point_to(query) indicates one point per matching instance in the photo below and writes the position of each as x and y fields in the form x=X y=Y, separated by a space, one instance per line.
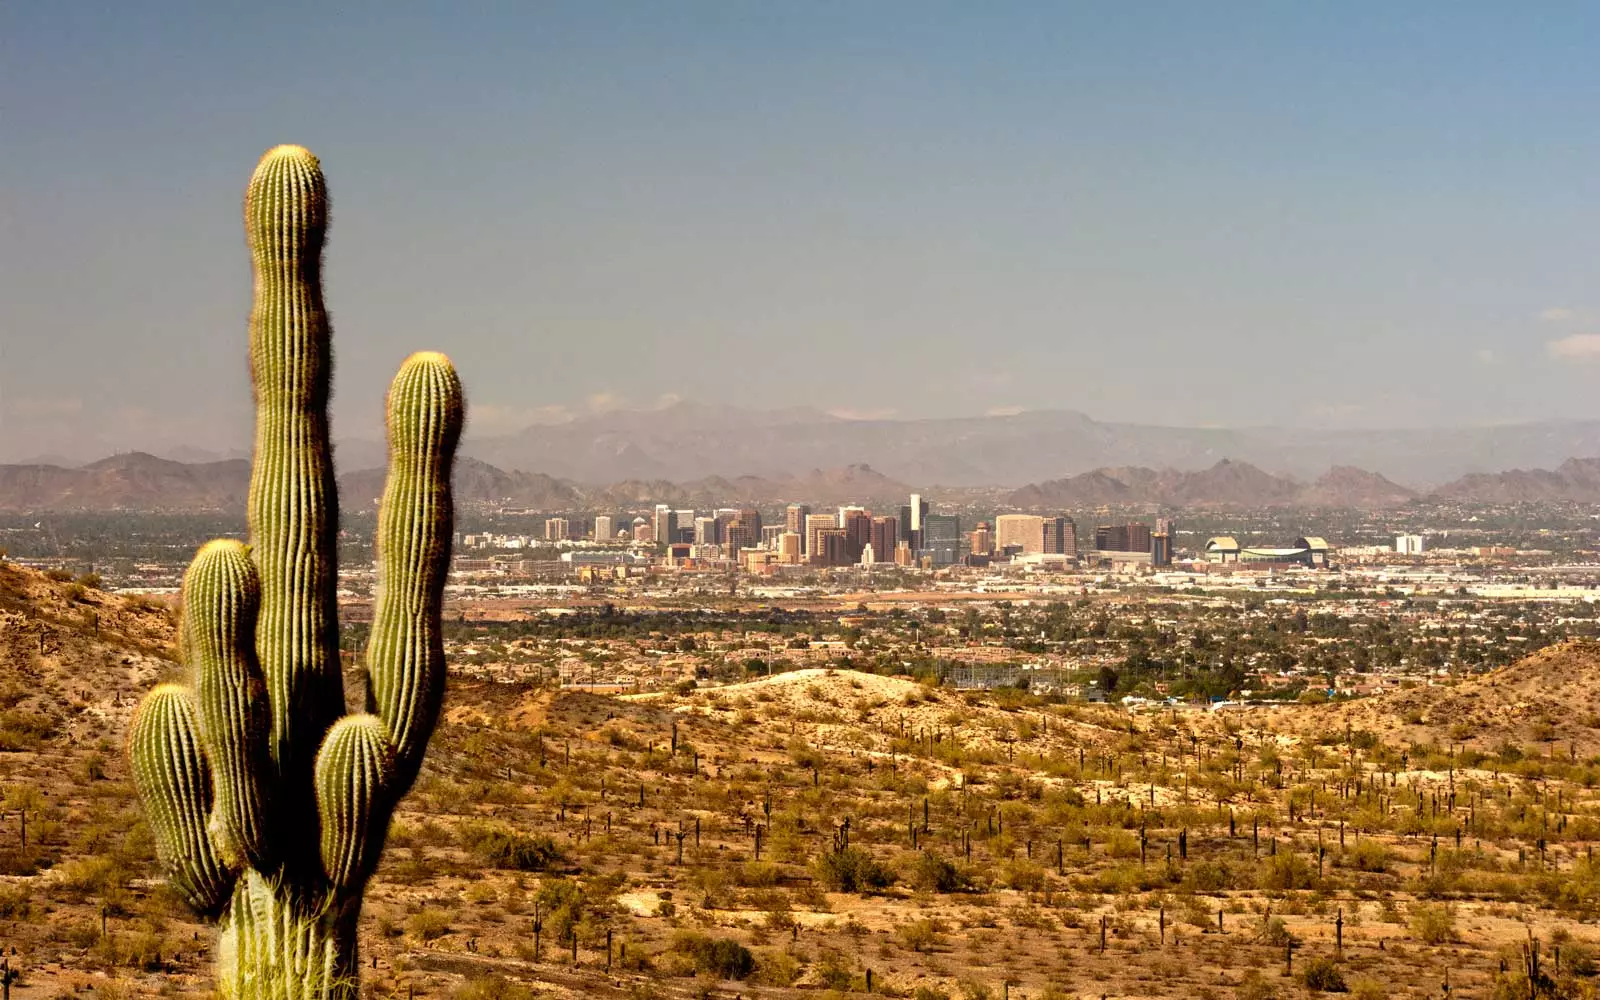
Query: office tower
x=1060 y=535
x=816 y=523
x=705 y=531
x=555 y=529
x=643 y=531
x=1111 y=538
x=1022 y=533
x=885 y=536
x=919 y=511
x=857 y=525
x=724 y=516
x=769 y=535
x=1138 y=538
x=1122 y=538
x=845 y=512
x=982 y=540
x=903 y=555
x=941 y=538
x=905 y=521
x=1160 y=549
x=603 y=530
x=740 y=536
x=751 y=518
x=867 y=556
x=832 y=547
x=683 y=529
x=794 y=519
x=663 y=525
x=789 y=548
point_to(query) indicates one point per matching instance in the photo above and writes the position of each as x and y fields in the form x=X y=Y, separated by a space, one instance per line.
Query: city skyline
x=1371 y=216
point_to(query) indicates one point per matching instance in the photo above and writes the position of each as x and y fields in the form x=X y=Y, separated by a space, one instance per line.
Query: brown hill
x=1347 y=486
x=132 y=481
x=1547 y=698
x=1575 y=479
x=475 y=482
x=1225 y=484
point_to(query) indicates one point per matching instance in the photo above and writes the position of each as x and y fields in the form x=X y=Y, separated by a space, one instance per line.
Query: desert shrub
x=428 y=924
x=20 y=730
x=564 y=905
x=1208 y=876
x=922 y=935
x=724 y=958
x=1322 y=975
x=757 y=875
x=15 y=902
x=932 y=872
x=1275 y=933
x=777 y=968
x=1369 y=856
x=1287 y=870
x=500 y=847
x=1024 y=876
x=1433 y=924
x=1255 y=987
x=852 y=870
x=58 y=575
x=492 y=988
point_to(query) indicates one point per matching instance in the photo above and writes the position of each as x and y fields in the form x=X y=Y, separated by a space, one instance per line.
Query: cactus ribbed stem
x=355 y=784
x=174 y=781
x=269 y=809
x=222 y=595
x=292 y=506
x=405 y=655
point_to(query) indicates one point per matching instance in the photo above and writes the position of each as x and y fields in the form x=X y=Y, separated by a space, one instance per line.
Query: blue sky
x=1353 y=214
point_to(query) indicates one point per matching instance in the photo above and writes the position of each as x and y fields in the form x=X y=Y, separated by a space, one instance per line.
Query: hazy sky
x=1356 y=214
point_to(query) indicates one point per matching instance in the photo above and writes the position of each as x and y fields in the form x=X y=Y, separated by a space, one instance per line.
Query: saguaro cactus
x=269 y=804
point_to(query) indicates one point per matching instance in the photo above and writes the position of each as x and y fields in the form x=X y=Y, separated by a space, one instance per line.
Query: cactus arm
x=293 y=509
x=355 y=769
x=221 y=597
x=405 y=656
x=174 y=781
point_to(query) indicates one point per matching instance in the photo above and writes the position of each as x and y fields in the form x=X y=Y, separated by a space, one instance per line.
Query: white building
x=604 y=528
x=1408 y=545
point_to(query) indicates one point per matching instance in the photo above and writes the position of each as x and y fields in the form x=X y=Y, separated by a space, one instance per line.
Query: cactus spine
x=270 y=805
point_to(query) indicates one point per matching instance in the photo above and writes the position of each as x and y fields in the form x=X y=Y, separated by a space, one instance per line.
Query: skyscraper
x=857 y=525
x=603 y=529
x=556 y=529
x=816 y=523
x=885 y=534
x=919 y=510
x=833 y=548
x=794 y=519
x=982 y=539
x=1122 y=538
x=789 y=547
x=1060 y=535
x=941 y=538
x=705 y=531
x=1022 y=532
x=663 y=525
x=739 y=536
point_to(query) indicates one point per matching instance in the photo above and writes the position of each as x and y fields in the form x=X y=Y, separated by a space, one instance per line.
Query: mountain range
x=689 y=441
x=140 y=482
x=1225 y=484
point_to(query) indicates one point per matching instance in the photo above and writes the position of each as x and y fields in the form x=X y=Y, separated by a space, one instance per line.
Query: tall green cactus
x=269 y=804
